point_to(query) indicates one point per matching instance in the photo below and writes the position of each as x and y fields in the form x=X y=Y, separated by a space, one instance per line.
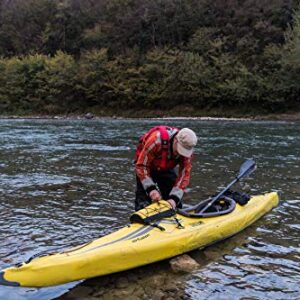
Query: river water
x=65 y=182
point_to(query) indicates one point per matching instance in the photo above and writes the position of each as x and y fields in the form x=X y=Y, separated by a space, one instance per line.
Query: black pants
x=165 y=181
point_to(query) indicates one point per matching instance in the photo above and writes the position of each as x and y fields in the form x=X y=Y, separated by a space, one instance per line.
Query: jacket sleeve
x=182 y=180
x=142 y=167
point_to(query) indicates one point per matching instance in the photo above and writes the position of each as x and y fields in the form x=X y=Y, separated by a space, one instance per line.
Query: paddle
x=245 y=170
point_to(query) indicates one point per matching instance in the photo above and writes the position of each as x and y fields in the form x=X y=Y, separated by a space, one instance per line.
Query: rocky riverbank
x=156 y=281
x=293 y=117
x=165 y=280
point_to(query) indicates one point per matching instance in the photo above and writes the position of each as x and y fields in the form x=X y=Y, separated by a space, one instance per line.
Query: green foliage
x=38 y=83
x=205 y=42
x=61 y=56
x=58 y=92
x=151 y=82
x=191 y=82
x=4 y=102
x=96 y=76
x=291 y=63
x=21 y=84
x=22 y=24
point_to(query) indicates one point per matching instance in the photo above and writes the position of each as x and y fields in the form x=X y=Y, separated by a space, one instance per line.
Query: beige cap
x=187 y=140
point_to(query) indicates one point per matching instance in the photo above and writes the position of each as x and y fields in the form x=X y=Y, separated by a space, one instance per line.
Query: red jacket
x=150 y=155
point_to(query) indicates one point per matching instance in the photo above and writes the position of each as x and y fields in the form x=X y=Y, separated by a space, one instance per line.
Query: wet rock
x=181 y=295
x=158 y=295
x=154 y=280
x=108 y=296
x=183 y=263
x=89 y=116
x=122 y=282
x=99 y=293
x=171 y=287
x=123 y=293
x=128 y=293
x=80 y=292
x=148 y=290
x=132 y=277
x=139 y=292
x=132 y=297
x=148 y=282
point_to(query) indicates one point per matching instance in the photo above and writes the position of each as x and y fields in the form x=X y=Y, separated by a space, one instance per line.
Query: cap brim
x=183 y=151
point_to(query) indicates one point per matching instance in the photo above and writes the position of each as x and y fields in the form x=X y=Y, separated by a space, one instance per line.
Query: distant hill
x=79 y=55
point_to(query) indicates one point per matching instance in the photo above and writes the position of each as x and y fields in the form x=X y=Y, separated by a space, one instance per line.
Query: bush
x=58 y=93
x=290 y=75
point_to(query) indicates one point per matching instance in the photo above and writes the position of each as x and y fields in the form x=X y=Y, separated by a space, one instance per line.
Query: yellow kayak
x=136 y=245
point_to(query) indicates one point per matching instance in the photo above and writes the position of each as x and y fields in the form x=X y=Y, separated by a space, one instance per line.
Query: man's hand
x=155 y=195
x=172 y=203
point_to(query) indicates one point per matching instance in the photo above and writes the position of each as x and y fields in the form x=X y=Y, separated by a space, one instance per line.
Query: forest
x=74 y=56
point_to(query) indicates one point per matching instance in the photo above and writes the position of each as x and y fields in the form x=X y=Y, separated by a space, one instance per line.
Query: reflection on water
x=11 y=293
x=66 y=182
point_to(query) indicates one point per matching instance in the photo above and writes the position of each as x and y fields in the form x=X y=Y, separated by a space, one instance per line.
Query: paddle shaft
x=246 y=171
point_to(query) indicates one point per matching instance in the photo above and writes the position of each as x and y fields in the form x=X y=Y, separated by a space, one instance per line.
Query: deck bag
x=153 y=213
x=238 y=197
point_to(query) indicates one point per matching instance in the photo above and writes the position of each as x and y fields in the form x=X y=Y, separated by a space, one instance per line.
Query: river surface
x=65 y=182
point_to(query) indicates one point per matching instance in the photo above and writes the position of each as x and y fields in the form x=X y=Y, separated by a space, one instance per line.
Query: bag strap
x=161 y=215
x=164 y=145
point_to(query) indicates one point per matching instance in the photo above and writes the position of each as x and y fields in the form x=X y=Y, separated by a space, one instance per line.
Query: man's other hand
x=155 y=195
x=172 y=202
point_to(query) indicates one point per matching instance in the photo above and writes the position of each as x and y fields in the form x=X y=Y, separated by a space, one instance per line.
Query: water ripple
x=65 y=182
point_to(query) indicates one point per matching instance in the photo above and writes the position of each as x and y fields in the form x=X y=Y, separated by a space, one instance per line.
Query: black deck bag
x=238 y=197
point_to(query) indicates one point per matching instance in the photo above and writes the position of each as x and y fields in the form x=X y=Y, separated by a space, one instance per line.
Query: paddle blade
x=247 y=168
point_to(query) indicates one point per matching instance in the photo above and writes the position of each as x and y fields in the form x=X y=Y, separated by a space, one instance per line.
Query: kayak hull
x=136 y=245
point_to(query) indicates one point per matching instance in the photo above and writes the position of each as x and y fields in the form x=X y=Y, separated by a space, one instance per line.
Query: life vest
x=161 y=162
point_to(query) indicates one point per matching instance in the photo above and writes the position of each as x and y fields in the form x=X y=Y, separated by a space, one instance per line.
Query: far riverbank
x=159 y=114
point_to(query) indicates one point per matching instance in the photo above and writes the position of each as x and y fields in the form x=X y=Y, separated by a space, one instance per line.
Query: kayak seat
x=223 y=206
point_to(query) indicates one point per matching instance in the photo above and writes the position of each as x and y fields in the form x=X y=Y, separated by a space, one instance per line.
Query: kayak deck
x=136 y=245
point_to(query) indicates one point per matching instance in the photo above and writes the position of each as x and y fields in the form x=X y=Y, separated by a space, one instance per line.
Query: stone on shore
x=184 y=264
x=89 y=116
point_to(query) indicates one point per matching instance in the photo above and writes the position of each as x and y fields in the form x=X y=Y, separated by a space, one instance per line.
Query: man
x=160 y=150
